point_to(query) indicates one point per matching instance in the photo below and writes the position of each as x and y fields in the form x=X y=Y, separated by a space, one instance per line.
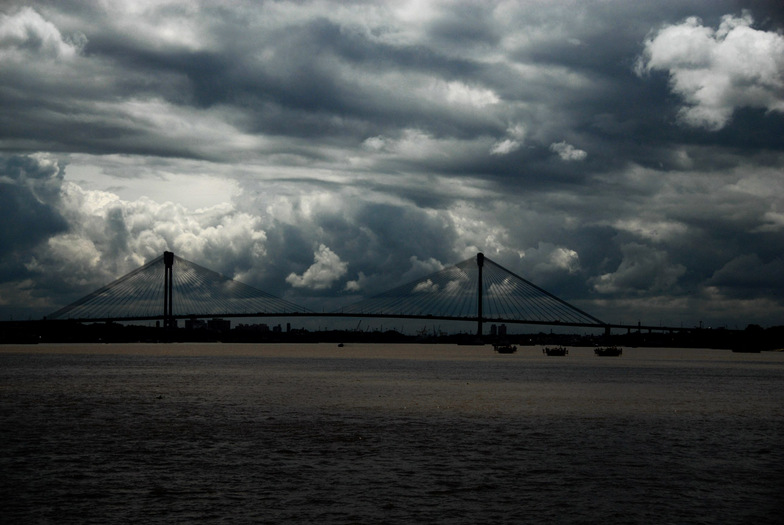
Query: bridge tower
x=480 y=262
x=168 y=314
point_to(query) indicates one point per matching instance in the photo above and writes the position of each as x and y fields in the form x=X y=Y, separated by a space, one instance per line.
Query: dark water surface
x=388 y=434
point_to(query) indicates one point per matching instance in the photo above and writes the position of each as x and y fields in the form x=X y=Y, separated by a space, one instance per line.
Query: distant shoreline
x=64 y=332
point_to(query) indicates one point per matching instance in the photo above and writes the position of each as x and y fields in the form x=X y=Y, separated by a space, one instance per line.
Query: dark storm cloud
x=749 y=276
x=29 y=194
x=572 y=142
x=310 y=83
x=29 y=215
x=306 y=79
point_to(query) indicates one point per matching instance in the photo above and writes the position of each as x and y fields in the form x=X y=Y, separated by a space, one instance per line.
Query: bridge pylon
x=168 y=289
x=480 y=262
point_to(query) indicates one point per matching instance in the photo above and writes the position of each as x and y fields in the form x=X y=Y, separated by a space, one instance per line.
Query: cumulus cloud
x=505 y=146
x=128 y=233
x=325 y=270
x=357 y=285
x=565 y=259
x=510 y=144
x=68 y=240
x=426 y=286
x=717 y=71
x=461 y=93
x=547 y=263
x=567 y=152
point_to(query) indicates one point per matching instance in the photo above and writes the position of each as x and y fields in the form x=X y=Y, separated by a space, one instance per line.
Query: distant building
x=195 y=324
x=262 y=327
x=219 y=325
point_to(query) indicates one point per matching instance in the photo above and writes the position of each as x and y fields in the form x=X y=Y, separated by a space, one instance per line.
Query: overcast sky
x=626 y=156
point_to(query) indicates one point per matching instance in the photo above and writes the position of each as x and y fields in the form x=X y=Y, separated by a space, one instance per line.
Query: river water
x=177 y=433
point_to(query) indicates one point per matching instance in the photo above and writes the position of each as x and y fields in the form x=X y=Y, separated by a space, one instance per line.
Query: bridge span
x=170 y=288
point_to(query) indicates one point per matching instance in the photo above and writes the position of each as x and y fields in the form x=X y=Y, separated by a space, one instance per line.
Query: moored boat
x=556 y=350
x=505 y=349
x=611 y=351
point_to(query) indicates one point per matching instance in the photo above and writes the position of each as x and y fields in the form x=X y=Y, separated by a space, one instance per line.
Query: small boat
x=505 y=349
x=610 y=351
x=556 y=350
x=746 y=350
x=341 y=345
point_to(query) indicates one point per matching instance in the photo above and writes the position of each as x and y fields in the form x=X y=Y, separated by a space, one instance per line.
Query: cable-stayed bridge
x=479 y=290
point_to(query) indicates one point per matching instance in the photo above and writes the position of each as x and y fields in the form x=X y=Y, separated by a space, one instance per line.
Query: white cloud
x=374 y=143
x=565 y=259
x=654 y=230
x=109 y=236
x=512 y=143
x=774 y=222
x=358 y=284
x=462 y=94
x=567 y=152
x=548 y=259
x=421 y=267
x=27 y=34
x=325 y=270
x=504 y=146
x=718 y=71
x=426 y=286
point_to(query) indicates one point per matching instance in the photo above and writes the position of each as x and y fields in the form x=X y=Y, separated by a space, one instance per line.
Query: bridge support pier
x=168 y=315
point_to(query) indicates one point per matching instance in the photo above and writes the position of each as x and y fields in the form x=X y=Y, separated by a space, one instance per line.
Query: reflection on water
x=385 y=433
